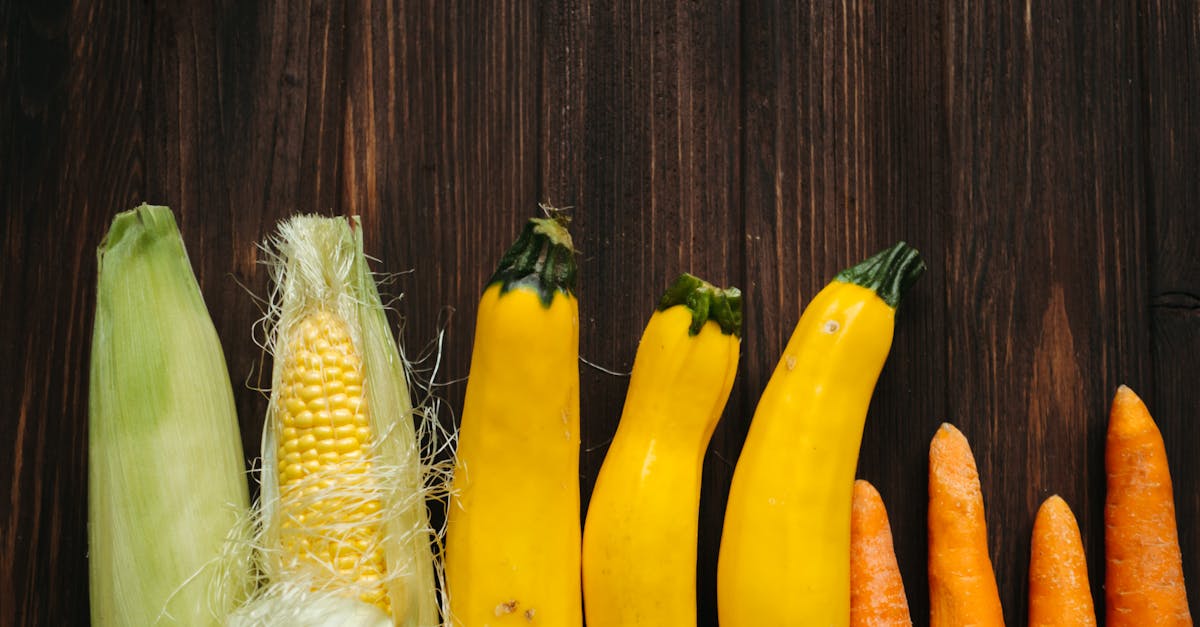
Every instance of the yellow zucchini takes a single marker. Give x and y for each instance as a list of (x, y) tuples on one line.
[(785, 550), (513, 534), (639, 542)]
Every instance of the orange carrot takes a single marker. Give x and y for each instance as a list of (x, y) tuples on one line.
[(962, 586), (877, 596), (1143, 578), (1059, 595)]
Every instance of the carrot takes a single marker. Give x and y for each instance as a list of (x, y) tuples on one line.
[(1059, 594), (877, 594), (1143, 578), (962, 586)]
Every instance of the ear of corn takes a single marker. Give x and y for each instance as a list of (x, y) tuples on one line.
[(167, 497), (343, 506)]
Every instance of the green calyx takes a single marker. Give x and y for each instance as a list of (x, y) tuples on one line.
[(706, 302), (542, 259), (888, 273)]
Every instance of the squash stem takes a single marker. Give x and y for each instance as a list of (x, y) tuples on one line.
[(888, 273), (706, 302), (542, 259)]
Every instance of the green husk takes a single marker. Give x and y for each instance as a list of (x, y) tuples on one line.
[(317, 264), (167, 495)]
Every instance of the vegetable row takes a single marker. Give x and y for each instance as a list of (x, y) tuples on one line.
[(341, 532)]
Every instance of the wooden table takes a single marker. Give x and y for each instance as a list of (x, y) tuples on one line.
[(1044, 160)]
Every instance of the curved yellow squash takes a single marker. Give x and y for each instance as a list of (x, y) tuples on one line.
[(513, 537), (785, 549), (639, 543)]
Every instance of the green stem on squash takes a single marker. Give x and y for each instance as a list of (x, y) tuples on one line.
[(706, 302)]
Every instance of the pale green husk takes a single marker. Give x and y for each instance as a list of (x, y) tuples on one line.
[(317, 264), (298, 606), (167, 497)]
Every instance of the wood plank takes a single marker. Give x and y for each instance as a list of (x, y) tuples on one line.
[(1170, 47), (845, 153), (1045, 293), (640, 133), (243, 128), (71, 155), (441, 158)]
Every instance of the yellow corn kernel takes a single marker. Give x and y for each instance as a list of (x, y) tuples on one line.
[(341, 416), (323, 359)]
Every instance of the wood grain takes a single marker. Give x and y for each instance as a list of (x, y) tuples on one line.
[(1048, 302), (1170, 32), (243, 128), (442, 164), (65, 66), (1043, 158)]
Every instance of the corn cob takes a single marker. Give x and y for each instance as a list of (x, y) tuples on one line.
[(343, 507), (165, 546)]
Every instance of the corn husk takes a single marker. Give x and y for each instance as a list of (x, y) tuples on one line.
[(318, 264), (167, 495)]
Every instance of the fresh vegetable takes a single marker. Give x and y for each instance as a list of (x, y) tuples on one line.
[(345, 529), (167, 495), (962, 586), (1059, 595), (513, 535), (785, 551), (877, 596), (1143, 578), (639, 543)]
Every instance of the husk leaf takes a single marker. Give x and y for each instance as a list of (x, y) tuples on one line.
[(318, 264), (167, 494)]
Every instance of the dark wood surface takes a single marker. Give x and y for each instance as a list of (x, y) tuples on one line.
[(1044, 158)]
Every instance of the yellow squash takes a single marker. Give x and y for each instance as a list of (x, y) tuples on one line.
[(513, 536), (785, 549), (639, 543)]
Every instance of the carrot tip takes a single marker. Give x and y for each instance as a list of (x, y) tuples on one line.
[(1126, 398), (865, 490), (947, 433), (1054, 504), (1125, 394), (1129, 413)]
